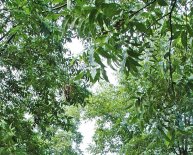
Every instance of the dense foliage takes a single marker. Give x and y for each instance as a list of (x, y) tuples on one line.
[(37, 80), (139, 117), (157, 98), (150, 41), (122, 31)]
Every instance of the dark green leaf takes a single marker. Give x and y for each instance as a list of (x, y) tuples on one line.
[(103, 52), (105, 75), (92, 16), (184, 39), (98, 59), (97, 76), (162, 2)]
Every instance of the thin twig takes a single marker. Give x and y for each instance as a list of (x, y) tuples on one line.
[(117, 24), (59, 7), (55, 8), (4, 36), (136, 12), (8, 41), (10, 38), (157, 20)]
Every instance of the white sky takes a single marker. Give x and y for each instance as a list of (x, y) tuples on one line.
[(75, 46), (87, 127)]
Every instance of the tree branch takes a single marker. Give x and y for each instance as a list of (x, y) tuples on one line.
[(59, 7), (136, 12), (10, 38), (8, 41), (157, 20), (55, 8), (119, 23), (4, 36), (173, 4)]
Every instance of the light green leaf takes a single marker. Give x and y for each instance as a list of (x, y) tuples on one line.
[(79, 76)]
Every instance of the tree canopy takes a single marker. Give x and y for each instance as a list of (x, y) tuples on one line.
[(43, 86), (37, 79)]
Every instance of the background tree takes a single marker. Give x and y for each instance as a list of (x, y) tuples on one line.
[(139, 118), (35, 68)]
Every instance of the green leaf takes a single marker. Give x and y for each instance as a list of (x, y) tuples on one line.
[(92, 16), (140, 26), (103, 52), (100, 20), (57, 1), (81, 28), (164, 134), (109, 62), (105, 75), (99, 2), (166, 55), (98, 59), (75, 22), (134, 62), (164, 28), (110, 10), (176, 34), (66, 23), (162, 3), (133, 53), (184, 39), (79, 76), (190, 30), (97, 76)]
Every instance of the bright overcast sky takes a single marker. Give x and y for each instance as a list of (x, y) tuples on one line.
[(87, 127)]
